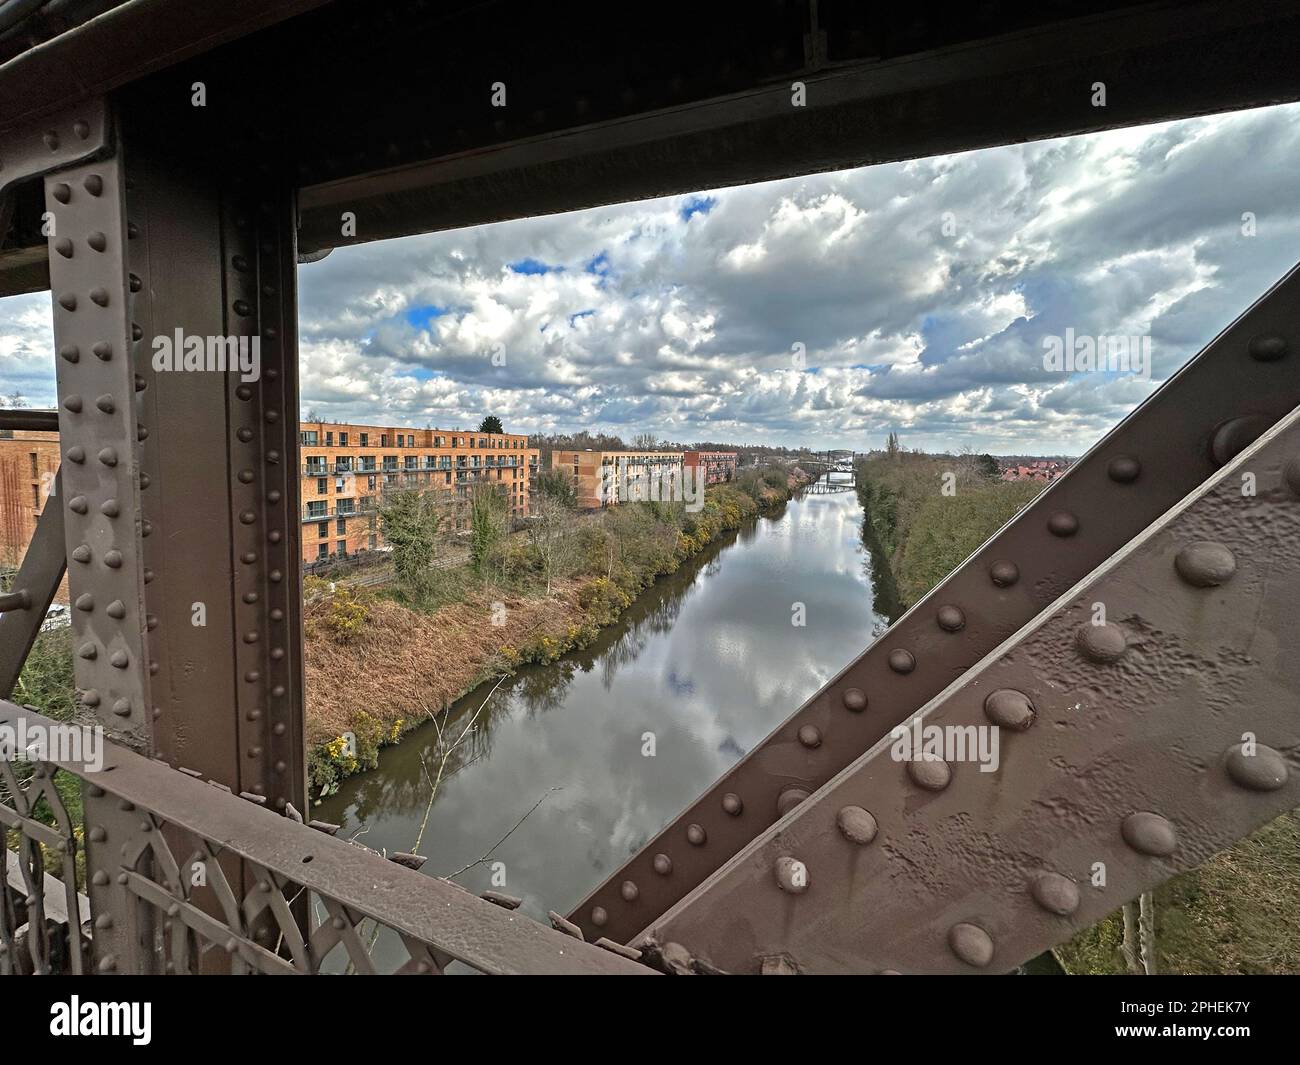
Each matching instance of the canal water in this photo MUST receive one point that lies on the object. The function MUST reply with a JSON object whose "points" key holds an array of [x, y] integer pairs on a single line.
{"points": [[704, 665]]}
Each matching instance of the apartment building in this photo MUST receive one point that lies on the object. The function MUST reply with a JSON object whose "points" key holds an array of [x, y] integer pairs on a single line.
{"points": [[346, 468], [719, 466], [28, 464], [593, 471]]}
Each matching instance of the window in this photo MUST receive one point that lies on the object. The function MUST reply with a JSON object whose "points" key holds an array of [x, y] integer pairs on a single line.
{"points": [[390, 462], [316, 508], [365, 439], [322, 531], [341, 527], [343, 464], [342, 548], [36, 497], [367, 463], [383, 439], [448, 476], [322, 486], [329, 439], [373, 544], [343, 439], [35, 473], [370, 483], [316, 464], [410, 440], [437, 441], [308, 436], [322, 550], [412, 462]]}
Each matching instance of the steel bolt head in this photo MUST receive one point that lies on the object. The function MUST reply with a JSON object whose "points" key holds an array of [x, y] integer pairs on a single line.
{"points": [[855, 699], [933, 774], [696, 836], [1004, 573], [1062, 523], [1124, 469], [901, 661], [1267, 347], [1008, 708], [1102, 644], [810, 736], [971, 944], [663, 865], [856, 825], [629, 891], [1264, 770], [1233, 437], [791, 875], [1205, 564], [1150, 834], [790, 798], [1056, 894], [733, 804], [951, 618], [599, 917]]}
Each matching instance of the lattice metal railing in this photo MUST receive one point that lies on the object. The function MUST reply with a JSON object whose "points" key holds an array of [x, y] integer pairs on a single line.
{"points": [[188, 877]]}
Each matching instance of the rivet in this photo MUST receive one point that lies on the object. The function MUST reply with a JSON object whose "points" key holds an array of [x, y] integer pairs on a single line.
{"points": [[78, 505], [244, 392], [854, 699], [99, 297], [243, 308], [73, 403], [132, 231], [1233, 437], [247, 517], [274, 536], [239, 262], [251, 637], [696, 836], [1267, 347], [108, 456], [1056, 893], [933, 774], [148, 575], [1004, 573], [141, 433], [901, 661], [76, 454], [90, 697], [61, 192], [108, 964], [119, 659], [856, 825], [273, 496], [1264, 770], [146, 527], [64, 247], [1103, 643], [244, 433], [85, 602], [629, 891], [96, 792], [1008, 708], [790, 797], [116, 609], [971, 944], [122, 708], [70, 352], [100, 879], [98, 834], [599, 916], [136, 332], [134, 283], [81, 553], [104, 920], [105, 403], [810, 736], [94, 184], [97, 241], [791, 875], [51, 139], [68, 301], [732, 804], [113, 558], [139, 383], [1149, 833], [1124, 469], [950, 618], [88, 651], [103, 350], [1205, 564], [1062, 523]]}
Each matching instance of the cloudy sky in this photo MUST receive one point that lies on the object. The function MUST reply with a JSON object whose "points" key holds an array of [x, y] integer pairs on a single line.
{"points": [[920, 292]]}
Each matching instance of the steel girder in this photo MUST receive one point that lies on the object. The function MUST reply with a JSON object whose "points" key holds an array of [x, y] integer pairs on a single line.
{"points": [[1147, 719], [1243, 381]]}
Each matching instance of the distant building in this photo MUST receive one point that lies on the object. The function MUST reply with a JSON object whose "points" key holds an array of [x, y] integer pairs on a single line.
{"points": [[1038, 470], [593, 470], [719, 466], [28, 464]]}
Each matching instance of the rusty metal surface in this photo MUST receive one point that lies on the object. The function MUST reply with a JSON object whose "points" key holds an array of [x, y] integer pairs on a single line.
{"points": [[35, 585], [1130, 750], [137, 854], [1244, 380]]}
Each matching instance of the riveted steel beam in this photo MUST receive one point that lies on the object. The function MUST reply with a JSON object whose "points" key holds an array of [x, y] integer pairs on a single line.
{"points": [[33, 590], [1243, 381], [1143, 722]]}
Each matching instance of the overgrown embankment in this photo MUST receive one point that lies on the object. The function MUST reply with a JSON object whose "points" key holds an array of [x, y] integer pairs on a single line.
{"points": [[927, 513], [1237, 913], [382, 661]]}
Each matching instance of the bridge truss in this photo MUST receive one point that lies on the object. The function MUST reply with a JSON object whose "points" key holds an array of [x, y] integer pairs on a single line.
{"points": [[144, 213]]}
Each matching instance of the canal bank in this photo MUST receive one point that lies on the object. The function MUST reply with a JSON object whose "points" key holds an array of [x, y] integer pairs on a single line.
{"points": [[616, 738]]}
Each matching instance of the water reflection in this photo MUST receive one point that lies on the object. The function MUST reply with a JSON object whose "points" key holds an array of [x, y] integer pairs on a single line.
{"points": [[703, 666]]}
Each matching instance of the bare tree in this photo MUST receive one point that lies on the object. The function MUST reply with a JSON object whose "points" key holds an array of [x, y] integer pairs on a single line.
{"points": [[552, 535]]}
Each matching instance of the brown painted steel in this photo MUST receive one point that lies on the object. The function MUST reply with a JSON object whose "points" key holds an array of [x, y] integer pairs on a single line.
{"points": [[153, 805], [1121, 762], [36, 583], [41, 421], [1243, 381]]}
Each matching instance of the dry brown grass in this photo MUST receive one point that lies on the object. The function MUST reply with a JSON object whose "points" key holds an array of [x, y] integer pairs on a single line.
{"points": [[405, 664]]}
